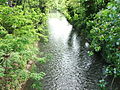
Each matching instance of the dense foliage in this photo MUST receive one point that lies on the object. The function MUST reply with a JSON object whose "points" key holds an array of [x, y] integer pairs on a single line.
{"points": [[20, 29], [23, 22], [103, 30], [105, 35], [99, 21]]}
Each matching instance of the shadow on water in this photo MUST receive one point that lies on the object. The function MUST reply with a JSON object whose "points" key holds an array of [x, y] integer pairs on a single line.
{"points": [[97, 67], [70, 37]]}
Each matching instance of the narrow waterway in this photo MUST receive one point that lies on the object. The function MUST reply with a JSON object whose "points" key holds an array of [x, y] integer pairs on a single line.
{"points": [[71, 68]]}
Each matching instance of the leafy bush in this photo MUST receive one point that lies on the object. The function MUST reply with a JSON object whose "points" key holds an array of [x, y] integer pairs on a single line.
{"points": [[19, 32], [105, 35], [99, 22]]}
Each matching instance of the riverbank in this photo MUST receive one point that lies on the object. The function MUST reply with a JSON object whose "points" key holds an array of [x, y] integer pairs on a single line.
{"points": [[98, 22], [19, 32]]}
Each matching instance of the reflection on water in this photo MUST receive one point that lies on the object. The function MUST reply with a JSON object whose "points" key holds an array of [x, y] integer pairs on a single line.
{"points": [[70, 68]]}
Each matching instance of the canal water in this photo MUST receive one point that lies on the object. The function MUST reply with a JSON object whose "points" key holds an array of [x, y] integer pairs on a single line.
{"points": [[71, 68]]}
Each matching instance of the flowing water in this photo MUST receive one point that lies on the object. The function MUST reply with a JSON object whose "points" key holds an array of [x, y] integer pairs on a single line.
{"points": [[71, 68]]}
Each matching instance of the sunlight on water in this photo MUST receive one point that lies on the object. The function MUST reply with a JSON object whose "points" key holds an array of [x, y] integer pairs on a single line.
{"points": [[70, 62], [59, 28]]}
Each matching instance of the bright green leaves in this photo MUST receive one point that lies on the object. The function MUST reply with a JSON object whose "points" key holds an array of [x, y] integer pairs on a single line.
{"points": [[42, 60], [19, 32], [102, 84], [90, 53], [98, 48], [3, 32], [45, 58], [37, 76], [2, 71]]}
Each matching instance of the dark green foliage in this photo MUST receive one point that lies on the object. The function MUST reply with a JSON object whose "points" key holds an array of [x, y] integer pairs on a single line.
{"points": [[105, 35], [2, 1], [99, 21]]}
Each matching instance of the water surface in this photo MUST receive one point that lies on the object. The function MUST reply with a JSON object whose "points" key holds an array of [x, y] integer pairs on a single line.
{"points": [[71, 68]]}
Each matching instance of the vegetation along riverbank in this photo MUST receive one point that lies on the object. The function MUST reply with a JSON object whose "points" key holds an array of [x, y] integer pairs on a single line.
{"points": [[23, 24]]}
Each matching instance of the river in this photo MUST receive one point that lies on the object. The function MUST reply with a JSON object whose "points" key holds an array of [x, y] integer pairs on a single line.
{"points": [[70, 68]]}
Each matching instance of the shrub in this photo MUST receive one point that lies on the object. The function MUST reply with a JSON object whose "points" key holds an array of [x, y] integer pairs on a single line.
{"points": [[105, 35], [19, 32]]}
